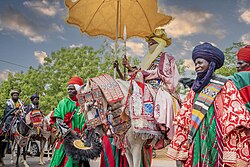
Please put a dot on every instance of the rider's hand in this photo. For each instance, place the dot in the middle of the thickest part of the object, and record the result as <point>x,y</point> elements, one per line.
<point>116,64</point>
<point>17,112</point>
<point>74,133</point>
<point>125,62</point>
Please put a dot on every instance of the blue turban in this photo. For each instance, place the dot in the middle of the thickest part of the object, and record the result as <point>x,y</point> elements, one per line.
<point>214,56</point>
<point>210,53</point>
<point>34,96</point>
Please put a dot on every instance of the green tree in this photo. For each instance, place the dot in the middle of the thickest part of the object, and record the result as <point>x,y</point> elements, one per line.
<point>50,79</point>
<point>229,66</point>
<point>181,66</point>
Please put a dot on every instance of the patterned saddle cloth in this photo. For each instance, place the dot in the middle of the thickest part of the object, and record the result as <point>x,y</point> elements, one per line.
<point>109,87</point>
<point>36,118</point>
<point>103,87</point>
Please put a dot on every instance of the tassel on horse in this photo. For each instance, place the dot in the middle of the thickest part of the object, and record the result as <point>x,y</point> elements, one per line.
<point>124,115</point>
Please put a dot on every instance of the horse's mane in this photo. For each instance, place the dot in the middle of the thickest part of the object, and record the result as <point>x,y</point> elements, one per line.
<point>22,127</point>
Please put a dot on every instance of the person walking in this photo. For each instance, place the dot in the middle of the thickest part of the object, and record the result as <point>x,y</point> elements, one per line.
<point>68,121</point>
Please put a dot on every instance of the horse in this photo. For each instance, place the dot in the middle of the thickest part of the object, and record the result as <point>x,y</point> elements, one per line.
<point>2,150</point>
<point>95,103</point>
<point>39,131</point>
<point>19,136</point>
<point>51,134</point>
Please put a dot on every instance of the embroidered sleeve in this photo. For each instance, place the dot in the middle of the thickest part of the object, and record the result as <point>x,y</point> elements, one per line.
<point>235,127</point>
<point>234,110</point>
<point>183,118</point>
<point>178,149</point>
<point>150,74</point>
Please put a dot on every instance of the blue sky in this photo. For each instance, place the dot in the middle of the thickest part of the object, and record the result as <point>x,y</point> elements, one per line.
<point>31,29</point>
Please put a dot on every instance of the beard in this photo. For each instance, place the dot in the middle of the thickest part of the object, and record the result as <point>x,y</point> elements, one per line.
<point>36,103</point>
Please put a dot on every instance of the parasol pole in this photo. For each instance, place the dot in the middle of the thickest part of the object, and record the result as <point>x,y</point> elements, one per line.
<point>125,50</point>
<point>116,36</point>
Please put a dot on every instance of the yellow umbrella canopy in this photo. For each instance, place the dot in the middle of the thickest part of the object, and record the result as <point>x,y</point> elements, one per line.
<point>108,17</point>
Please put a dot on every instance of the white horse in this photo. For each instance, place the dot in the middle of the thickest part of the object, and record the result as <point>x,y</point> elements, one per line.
<point>134,141</point>
<point>135,144</point>
<point>50,134</point>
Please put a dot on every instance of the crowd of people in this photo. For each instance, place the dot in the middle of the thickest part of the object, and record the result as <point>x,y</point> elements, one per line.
<point>211,127</point>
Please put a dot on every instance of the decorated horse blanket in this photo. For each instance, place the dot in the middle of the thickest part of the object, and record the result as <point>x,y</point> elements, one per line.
<point>141,107</point>
<point>120,128</point>
<point>35,117</point>
<point>109,87</point>
<point>100,87</point>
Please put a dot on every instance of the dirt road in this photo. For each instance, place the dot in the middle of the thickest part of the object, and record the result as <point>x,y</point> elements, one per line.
<point>160,161</point>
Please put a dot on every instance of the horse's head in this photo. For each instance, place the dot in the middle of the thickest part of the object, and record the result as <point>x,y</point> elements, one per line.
<point>92,102</point>
<point>21,125</point>
<point>98,100</point>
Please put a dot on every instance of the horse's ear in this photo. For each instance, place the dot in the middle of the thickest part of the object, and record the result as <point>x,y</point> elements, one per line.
<point>87,85</point>
<point>80,90</point>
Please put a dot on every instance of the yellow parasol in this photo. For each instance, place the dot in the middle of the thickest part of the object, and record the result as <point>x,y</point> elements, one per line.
<point>109,17</point>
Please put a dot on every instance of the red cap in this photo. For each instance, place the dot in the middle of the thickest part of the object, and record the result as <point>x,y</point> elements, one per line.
<point>244,54</point>
<point>76,80</point>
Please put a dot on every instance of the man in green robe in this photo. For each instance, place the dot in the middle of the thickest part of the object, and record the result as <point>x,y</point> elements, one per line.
<point>68,121</point>
<point>242,78</point>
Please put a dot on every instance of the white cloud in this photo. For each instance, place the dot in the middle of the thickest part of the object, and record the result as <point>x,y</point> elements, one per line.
<point>48,8</point>
<point>189,63</point>
<point>245,16</point>
<point>76,46</point>
<point>62,38</point>
<point>12,20</point>
<point>187,22</point>
<point>57,27</point>
<point>135,48</point>
<point>245,38</point>
<point>188,46</point>
<point>201,42</point>
<point>185,48</point>
<point>181,49</point>
<point>4,75</point>
<point>40,55</point>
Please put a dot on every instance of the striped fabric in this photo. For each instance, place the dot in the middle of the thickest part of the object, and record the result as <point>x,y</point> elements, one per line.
<point>155,63</point>
<point>203,102</point>
<point>205,152</point>
<point>36,118</point>
<point>219,137</point>
<point>111,156</point>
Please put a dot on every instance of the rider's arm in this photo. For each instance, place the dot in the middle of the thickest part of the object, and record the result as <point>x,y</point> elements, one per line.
<point>8,108</point>
<point>127,65</point>
<point>116,66</point>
